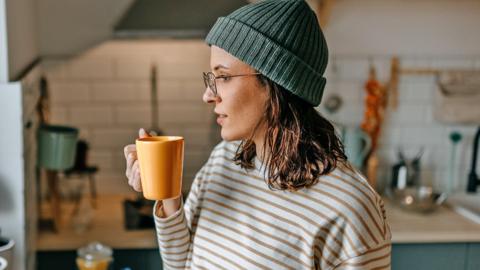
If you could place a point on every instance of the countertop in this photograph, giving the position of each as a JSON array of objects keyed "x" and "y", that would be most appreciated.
[
  {"x": 442, "y": 226},
  {"x": 107, "y": 227}
]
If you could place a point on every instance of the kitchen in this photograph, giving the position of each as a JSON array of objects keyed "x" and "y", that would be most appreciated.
[{"x": 108, "y": 84}]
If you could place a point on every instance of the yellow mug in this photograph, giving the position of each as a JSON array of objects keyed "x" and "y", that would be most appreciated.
[{"x": 161, "y": 166}]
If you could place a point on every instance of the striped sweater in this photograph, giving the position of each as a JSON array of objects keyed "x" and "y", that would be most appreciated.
[{"x": 232, "y": 220}]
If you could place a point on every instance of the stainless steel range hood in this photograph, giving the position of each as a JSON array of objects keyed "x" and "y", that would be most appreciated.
[{"x": 172, "y": 18}]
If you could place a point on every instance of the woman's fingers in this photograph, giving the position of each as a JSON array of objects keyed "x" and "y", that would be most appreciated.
[
  {"x": 142, "y": 133},
  {"x": 137, "y": 182},
  {"x": 128, "y": 149},
  {"x": 130, "y": 160},
  {"x": 133, "y": 168}
]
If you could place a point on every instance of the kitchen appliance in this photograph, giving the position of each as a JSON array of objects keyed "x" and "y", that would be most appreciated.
[
  {"x": 3, "y": 264},
  {"x": 419, "y": 199},
  {"x": 6, "y": 251},
  {"x": 357, "y": 145},
  {"x": 406, "y": 173},
  {"x": 455, "y": 138}
]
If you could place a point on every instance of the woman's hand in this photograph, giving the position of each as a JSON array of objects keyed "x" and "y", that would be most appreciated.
[
  {"x": 133, "y": 167},
  {"x": 170, "y": 206}
]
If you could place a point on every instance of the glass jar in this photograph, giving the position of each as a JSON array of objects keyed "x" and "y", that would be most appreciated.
[{"x": 94, "y": 256}]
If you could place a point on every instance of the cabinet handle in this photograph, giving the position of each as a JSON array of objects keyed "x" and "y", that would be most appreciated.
[{"x": 28, "y": 124}]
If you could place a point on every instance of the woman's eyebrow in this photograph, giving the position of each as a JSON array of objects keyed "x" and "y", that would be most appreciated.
[{"x": 219, "y": 67}]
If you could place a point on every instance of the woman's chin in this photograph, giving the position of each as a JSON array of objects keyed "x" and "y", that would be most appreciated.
[{"x": 229, "y": 136}]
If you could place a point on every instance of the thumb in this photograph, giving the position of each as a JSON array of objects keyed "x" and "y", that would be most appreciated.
[{"x": 143, "y": 134}]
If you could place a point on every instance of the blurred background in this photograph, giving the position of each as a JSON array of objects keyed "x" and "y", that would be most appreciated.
[{"x": 79, "y": 78}]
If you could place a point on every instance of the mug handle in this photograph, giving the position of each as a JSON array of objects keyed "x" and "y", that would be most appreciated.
[{"x": 368, "y": 144}]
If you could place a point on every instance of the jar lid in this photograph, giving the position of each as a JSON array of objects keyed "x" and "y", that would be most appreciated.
[{"x": 95, "y": 251}]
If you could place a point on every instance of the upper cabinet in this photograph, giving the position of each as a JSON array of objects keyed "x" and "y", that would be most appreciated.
[
  {"x": 69, "y": 27},
  {"x": 21, "y": 36}
]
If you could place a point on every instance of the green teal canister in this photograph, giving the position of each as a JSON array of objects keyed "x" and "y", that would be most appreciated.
[{"x": 57, "y": 146}]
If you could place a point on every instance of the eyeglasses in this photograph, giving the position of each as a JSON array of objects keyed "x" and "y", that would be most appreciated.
[{"x": 209, "y": 80}]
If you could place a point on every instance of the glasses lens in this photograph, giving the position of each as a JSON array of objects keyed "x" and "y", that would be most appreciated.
[
  {"x": 205, "y": 79},
  {"x": 211, "y": 82}
]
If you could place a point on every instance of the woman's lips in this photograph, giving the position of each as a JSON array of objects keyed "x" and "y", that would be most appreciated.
[{"x": 221, "y": 118}]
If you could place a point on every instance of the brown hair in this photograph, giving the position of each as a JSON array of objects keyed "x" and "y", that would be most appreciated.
[{"x": 302, "y": 145}]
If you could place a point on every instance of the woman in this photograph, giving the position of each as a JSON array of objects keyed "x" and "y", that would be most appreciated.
[{"x": 278, "y": 191}]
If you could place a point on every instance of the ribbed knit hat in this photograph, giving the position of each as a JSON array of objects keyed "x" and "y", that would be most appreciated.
[{"x": 279, "y": 38}]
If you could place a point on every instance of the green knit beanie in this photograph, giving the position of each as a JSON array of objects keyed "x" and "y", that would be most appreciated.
[{"x": 279, "y": 38}]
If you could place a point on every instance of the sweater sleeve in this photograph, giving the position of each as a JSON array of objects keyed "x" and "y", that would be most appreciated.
[
  {"x": 376, "y": 258},
  {"x": 174, "y": 233}
]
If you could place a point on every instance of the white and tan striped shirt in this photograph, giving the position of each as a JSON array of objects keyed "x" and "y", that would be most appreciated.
[{"x": 232, "y": 220}]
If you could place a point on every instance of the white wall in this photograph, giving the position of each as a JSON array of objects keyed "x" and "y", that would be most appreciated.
[{"x": 22, "y": 35}]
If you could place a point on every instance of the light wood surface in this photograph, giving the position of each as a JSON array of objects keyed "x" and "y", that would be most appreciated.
[
  {"x": 441, "y": 226},
  {"x": 107, "y": 227}
]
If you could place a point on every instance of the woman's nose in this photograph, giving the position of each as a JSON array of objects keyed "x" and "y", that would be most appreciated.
[{"x": 208, "y": 96}]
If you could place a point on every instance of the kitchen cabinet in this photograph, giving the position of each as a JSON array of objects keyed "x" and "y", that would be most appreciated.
[
  {"x": 136, "y": 259},
  {"x": 435, "y": 256}
]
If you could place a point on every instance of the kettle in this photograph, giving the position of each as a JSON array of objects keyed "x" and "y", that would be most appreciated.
[
  {"x": 406, "y": 172},
  {"x": 6, "y": 252},
  {"x": 3, "y": 264},
  {"x": 357, "y": 144}
]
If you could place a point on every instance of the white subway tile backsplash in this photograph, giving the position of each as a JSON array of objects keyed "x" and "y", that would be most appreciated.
[
  {"x": 91, "y": 115},
  {"x": 182, "y": 70},
  {"x": 119, "y": 163},
  {"x": 136, "y": 115},
  {"x": 193, "y": 89},
  {"x": 428, "y": 135},
  {"x": 415, "y": 62},
  {"x": 84, "y": 134},
  {"x": 347, "y": 90},
  {"x": 408, "y": 114},
  {"x": 350, "y": 114},
  {"x": 59, "y": 115},
  {"x": 390, "y": 135},
  {"x": 116, "y": 91},
  {"x": 183, "y": 113},
  {"x": 113, "y": 138},
  {"x": 101, "y": 158},
  {"x": 90, "y": 68},
  {"x": 197, "y": 136},
  {"x": 416, "y": 92},
  {"x": 353, "y": 69},
  {"x": 113, "y": 182},
  {"x": 106, "y": 93},
  {"x": 69, "y": 92},
  {"x": 133, "y": 68},
  {"x": 455, "y": 63},
  {"x": 170, "y": 90}
]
